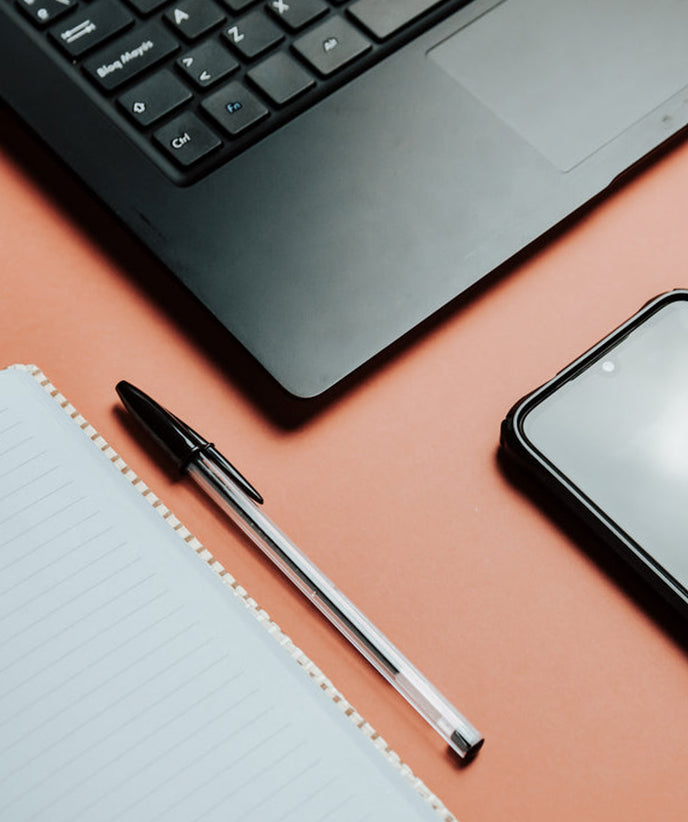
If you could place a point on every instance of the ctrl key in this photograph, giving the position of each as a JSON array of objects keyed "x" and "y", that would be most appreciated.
[{"x": 186, "y": 139}]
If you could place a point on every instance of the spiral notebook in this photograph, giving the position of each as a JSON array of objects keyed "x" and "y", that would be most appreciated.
[{"x": 138, "y": 680}]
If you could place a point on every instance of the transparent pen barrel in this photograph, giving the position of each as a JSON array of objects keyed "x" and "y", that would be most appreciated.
[{"x": 342, "y": 613}]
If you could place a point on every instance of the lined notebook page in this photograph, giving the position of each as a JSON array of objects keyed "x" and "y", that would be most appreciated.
[{"x": 133, "y": 684}]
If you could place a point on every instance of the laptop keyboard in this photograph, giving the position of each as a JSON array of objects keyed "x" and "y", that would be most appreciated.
[{"x": 196, "y": 82}]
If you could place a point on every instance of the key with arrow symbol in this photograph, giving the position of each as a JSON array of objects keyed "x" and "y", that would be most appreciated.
[
  {"x": 193, "y": 18},
  {"x": 207, "y": 64}
]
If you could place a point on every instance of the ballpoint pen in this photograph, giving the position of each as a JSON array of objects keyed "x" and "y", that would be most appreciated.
[{"x": 194, "y": 455}]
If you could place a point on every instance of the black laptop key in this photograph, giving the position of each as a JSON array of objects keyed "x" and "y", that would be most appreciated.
[
  {"x": 253, "y": 34},
  {"x": 91, "y": 26},
  {"x": 295, "y": 14},
  {"x": 281, "y": 78},
  {"x": 186, "y": 139},
  {"x": 235, "y": 108},
  {"x": 207, "y": 64},
  {"x": 383, "y": 18},
  {"x": 43, "y": 12},
  {"x": 332, "y": 45},
  {"x": 194, "y": 18},
  {"x": 159, "y": 60},
  {"x": 127, "y": 57},
  {"x": 239, "y": 5},
  {"x": 146, "y": 6},
  {"x": 154, "y": 98}
]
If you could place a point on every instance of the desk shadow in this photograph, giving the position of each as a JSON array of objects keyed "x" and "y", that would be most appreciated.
[
  {"x": 63, "y": 188},
  {"x": 70, "y": 195},
  {"x": 597, "y": 551}
]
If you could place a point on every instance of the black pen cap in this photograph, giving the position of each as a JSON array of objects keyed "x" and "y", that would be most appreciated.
[{"x": 177, "y": 439}]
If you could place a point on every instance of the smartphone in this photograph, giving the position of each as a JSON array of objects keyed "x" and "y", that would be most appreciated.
[{"x": 609, "y": 436}]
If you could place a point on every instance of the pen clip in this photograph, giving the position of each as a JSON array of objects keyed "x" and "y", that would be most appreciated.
[{"x": 236, "y": 476}]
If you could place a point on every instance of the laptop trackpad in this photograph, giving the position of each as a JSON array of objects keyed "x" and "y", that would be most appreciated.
[{"x": 570, "y": 76}]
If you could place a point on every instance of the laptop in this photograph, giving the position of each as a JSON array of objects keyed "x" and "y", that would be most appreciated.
[{"x": 324, "y": 175}]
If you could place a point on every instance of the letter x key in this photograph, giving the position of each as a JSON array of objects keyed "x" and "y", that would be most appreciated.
[{"x": 295, "y": 14}]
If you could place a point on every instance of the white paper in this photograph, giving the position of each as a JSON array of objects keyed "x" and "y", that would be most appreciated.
[{"x": 133, "y": 684}]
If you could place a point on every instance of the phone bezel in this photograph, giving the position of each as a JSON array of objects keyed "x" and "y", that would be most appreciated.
[{"x": 515, "y": 442}]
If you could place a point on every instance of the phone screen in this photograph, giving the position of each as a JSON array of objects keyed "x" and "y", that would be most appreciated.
[{"x": 618, "y": 431}]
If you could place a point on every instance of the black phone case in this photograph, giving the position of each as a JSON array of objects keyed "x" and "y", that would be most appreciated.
[{"x": 515, "y": 444}]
